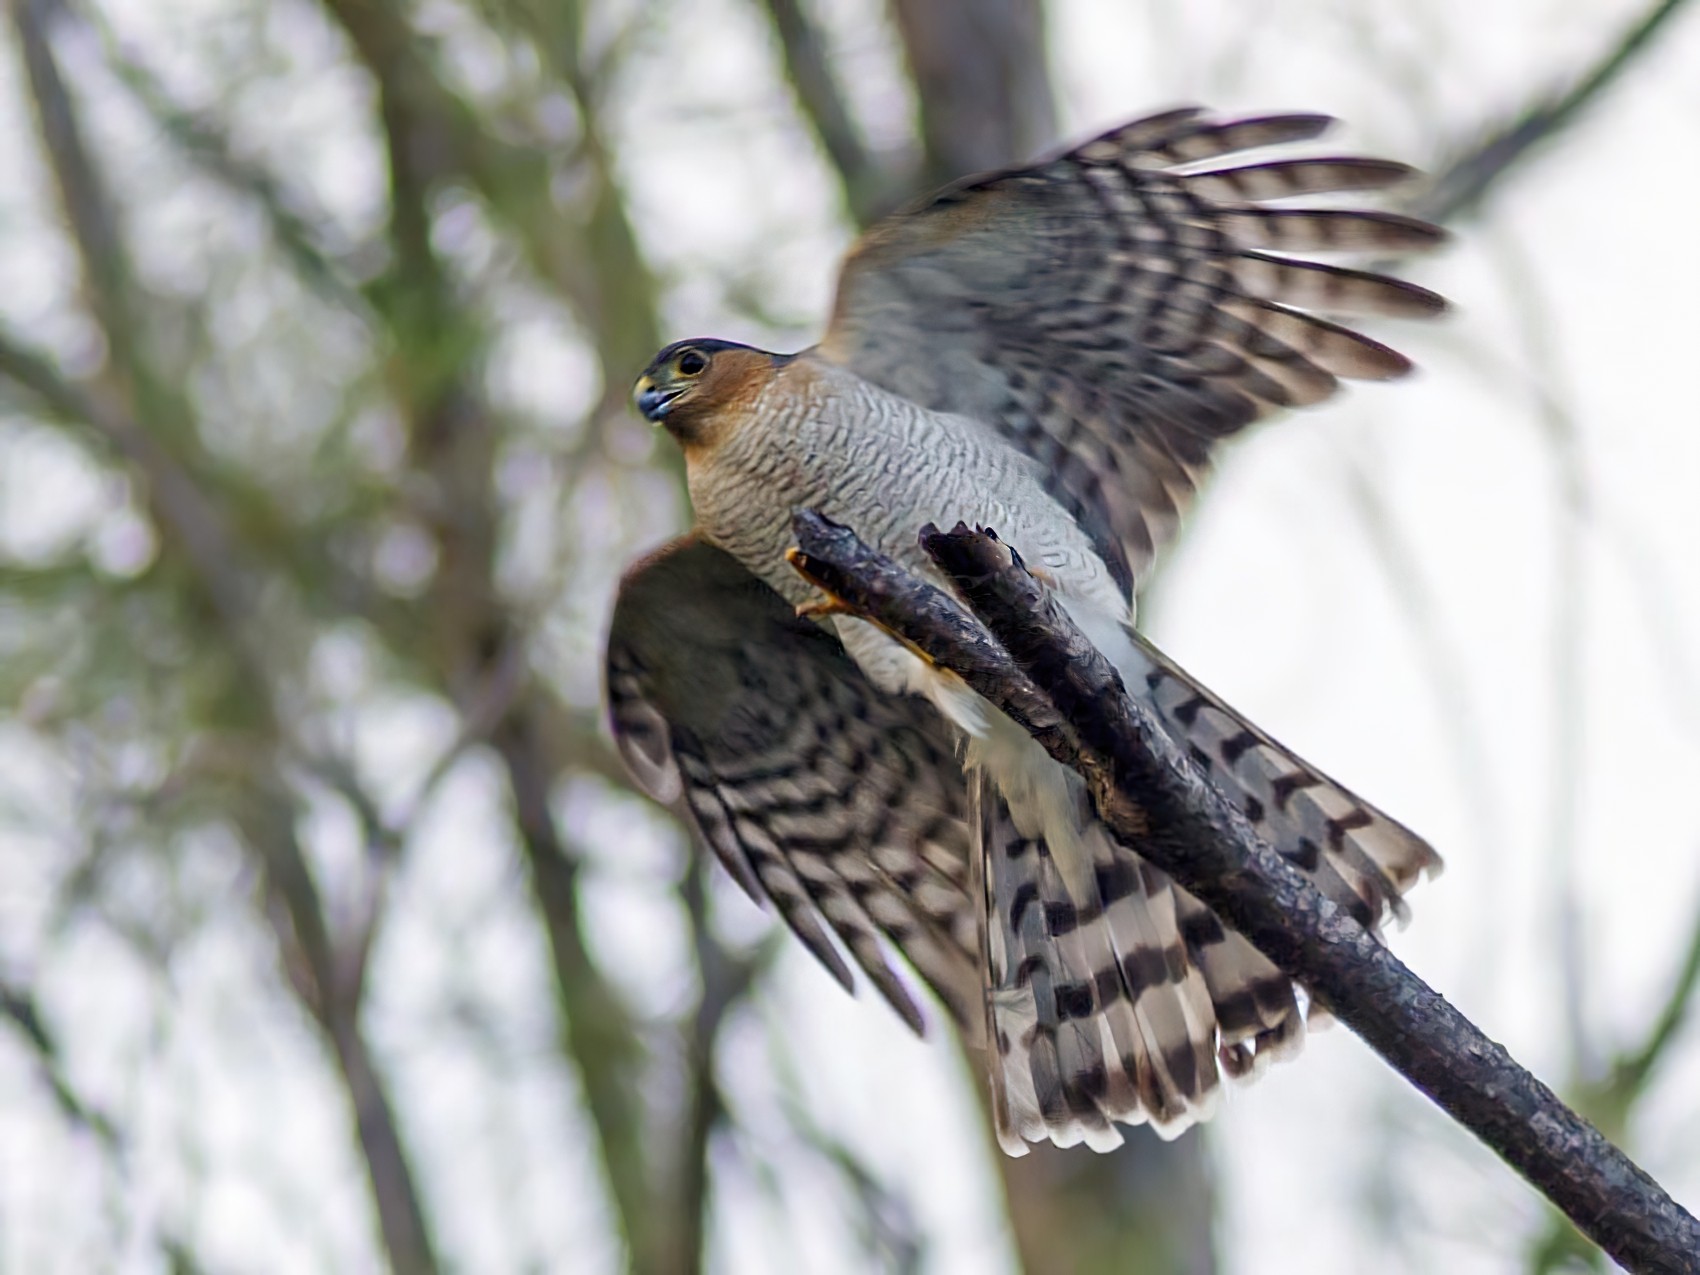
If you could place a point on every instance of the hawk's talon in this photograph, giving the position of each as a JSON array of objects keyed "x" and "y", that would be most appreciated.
[
  {"x": 824, "y": 608},
  {"x": 828, "y": 604}
]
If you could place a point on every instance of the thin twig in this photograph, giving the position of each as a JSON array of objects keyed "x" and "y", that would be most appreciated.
[
  {"x": 866, "y": 183},
  {"x": 1631, "y": 1072},
  {"x": 298, "y": 226},
  {"x": 19, "y": 1006},
  {"x": 1460, "y": 188}
]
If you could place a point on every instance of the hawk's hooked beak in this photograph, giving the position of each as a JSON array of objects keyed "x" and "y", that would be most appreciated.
[{"x": 653, "y": 400}]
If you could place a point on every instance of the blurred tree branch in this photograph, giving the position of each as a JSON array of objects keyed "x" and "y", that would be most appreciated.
[
  {"x": 328, "y": 975},
  {"x": 18, "y": 1005},
  {"x": 433, "y": 139},
  {"x": 870, "y": 186},
  {"x": 452, "y": 444},
  {"x": 137, "y": 413},
  {"x": 1148, "y": 1208},
  {"x": 1631, "y": 1072},
  {"x": 983, "y": 82},
  {"x": 1464, "y": 183},
  {"x": 982, "y": 85},
  {"x": 1607, "y": 1094},
  {"x": 177, "y": 503},
  {"x": 1443, "y": 660},
  {"x": 305, "y": 233},
  {"x": 591, "y": 260},
  {"x": 615, "y": 296},
  {"x": 727, "y": 978},
  {"x": 135, "y": 407}
]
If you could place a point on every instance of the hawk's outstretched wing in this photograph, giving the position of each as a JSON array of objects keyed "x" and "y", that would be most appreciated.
[
  {"x": 839, "y": 803},
  {"x": 1117, "y": 310}
]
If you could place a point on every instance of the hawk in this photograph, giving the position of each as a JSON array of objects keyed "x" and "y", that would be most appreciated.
[{"x": 1055, "y": 352}]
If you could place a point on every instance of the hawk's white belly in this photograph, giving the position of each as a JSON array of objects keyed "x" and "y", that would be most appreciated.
[{"x": 885, "y": 467}]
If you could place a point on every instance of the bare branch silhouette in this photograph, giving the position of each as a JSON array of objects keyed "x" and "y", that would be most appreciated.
[
  {"x": 19, "y": 1006},
  {"x": 1465, "y": 182},
  {"x": 868, "y": 184}
]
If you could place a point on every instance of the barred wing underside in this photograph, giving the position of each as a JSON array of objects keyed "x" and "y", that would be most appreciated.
[
  {"x": 1118, "y": 310},
  {"x": 844, "y": 806}
]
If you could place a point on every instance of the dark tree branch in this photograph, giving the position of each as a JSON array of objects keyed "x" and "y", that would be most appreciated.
[
  {"x": 433, "y": 139},
  {"x": 19, "y": 1006},
  {"x": 326, "y": 978},
  {"x": 1045, "y": 1201},
  {"x": 139, "y": 410},
  {"x": 1461, "y": 187},
  {"x": 868, "y": 184},
  {"x": 1153, "y": 796},
  {"x": 980, "y": 72},
  {"x": 303, "y": 231}
]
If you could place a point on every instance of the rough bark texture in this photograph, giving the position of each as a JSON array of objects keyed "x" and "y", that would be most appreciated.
[{"x": 1034, "y": 659}]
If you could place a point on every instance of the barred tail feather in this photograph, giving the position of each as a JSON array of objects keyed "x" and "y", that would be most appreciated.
[
  {"x": 1113, "y": 995},
  {"x": 1097, "y": 1015},
  {"x": 1358, "y": 856}
]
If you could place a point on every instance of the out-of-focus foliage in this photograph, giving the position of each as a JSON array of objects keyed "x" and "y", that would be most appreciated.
[{"x": 330, "y": 935}]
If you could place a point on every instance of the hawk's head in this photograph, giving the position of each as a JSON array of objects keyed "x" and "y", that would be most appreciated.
[{"x": 692, "y": 385}]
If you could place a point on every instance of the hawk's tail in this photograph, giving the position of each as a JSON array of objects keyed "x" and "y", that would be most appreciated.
[{"x": 1116, "y": 996}]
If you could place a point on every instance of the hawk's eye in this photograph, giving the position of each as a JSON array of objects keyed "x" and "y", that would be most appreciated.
[{"x": 691, "y": 363}]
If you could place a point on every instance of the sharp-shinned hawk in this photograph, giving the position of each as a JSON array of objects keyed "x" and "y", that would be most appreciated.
[{"x": 1054, "y": 352}]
